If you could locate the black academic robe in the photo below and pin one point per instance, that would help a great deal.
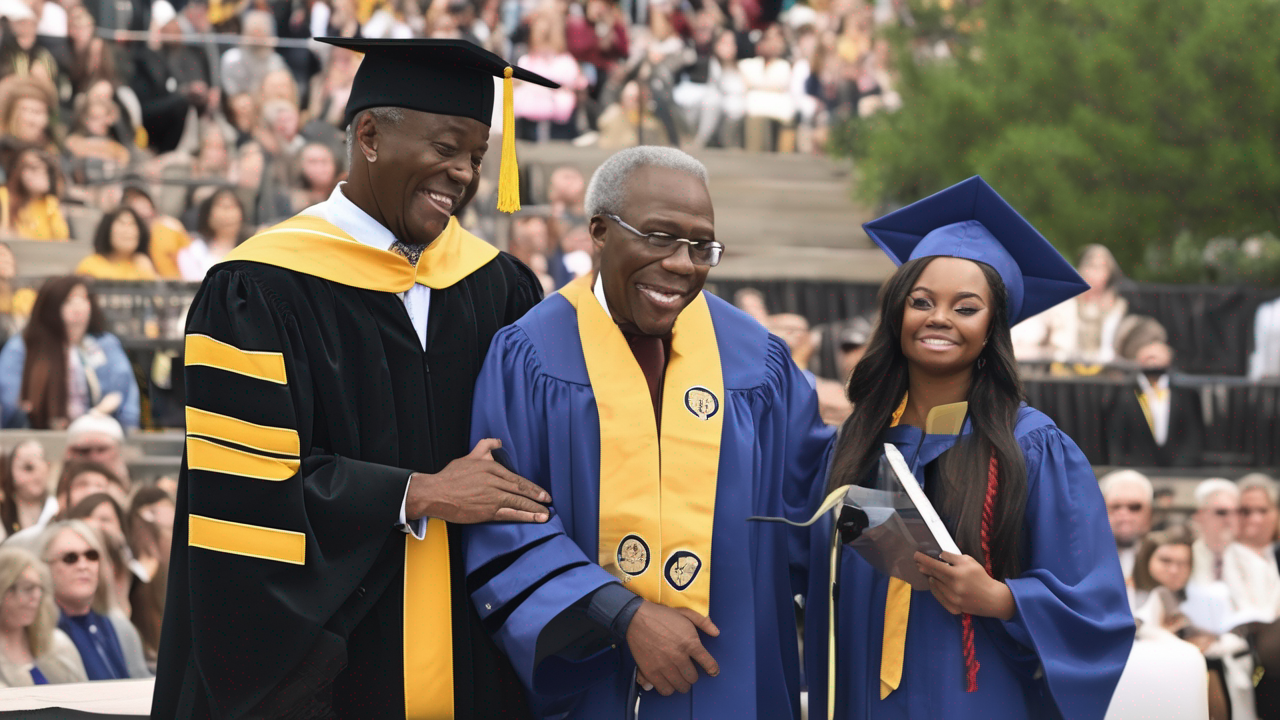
(248, 636)
(1130, 442)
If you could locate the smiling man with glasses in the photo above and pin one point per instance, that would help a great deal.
(660, 418)
(1253, 587)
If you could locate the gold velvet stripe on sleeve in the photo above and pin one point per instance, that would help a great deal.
(248, 540)
(204, 350)
(206, 455)
(281, 441)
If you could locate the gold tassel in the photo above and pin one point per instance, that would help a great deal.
(509, 173)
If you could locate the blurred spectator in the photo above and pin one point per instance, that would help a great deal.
(529, 238)
(15, 302)
(151, 518)
(278, 131)
(574, 257)
(82, 478)
(102, 512)
(329, 102)
(598, 38)
(127, 128)
(625, 123)
(33, 650)
(120, 248)
(244, 67)
(751, 302)
(168, 236)
(1153, 424)
(1264, 361)
(316, 177)
(65, 364)
(1163, 560)
(91, 58)
(20, 55)
(261, 186)
(808, 108)
(1251, 584)
(716, 103)
(657, 56)
(771, 109)
(566, 192)
(545, 113)
(29, 206)
(100, 439)
(164, 94)
(108, 644)
(29, 110)
(91, 144)
(794, 330)
(1259, 497)
(279, 85)
(1083, 328)
(242, 114)
(1129, 497)
(191, 63)
(852, 345)
(220, 227)
(24, 480)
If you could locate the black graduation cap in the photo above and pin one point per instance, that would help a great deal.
(445, 77)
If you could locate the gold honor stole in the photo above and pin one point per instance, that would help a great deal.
(316, 247)
(657, 493)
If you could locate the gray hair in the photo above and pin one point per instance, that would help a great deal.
(104, 598)
(1208, 488)
(1132, 478)
(608, 188)
(389, 116)
(1260, 481)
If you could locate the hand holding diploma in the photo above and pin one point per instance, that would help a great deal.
(962, 585)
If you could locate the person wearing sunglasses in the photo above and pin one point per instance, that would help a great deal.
(109, 646)
(1128, 494)
(1219, 557)
(660, 418)
(33, 651)
(1258, 516)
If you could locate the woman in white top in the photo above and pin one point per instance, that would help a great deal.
(1084, 328)
(33, 651)
(24, 481)
(220, 227)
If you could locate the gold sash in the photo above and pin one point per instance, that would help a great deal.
(314, 246)
(657, 494)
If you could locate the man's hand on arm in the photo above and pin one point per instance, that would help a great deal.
(476, 489)
(665, 644)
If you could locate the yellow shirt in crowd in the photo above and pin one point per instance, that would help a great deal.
(39, 219)
(103, 268)
(168, 238)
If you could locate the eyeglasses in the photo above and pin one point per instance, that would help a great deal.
(82, 450)
(25, 591)
(1245, 512)
(72, 558)
(1223, 512)
(1131, 507)
(701, 252)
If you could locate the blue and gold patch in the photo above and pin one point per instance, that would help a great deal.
(681, 569)
(633, 555)
(701, 402)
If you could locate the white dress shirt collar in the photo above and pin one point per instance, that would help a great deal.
(352, 220)
(599, 291)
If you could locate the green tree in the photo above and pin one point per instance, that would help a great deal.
(1125, 122)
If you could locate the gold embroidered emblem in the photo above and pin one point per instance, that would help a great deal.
(682, 568)
(633, 555)
(701, 402)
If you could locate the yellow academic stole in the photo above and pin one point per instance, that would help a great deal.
(316, 247)
(657, 494)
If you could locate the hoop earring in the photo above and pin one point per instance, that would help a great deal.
(982, 362)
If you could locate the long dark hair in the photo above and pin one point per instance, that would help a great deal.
(205, 213)
(44, 372)
(876, 389)
(9, 503)
(102, 236)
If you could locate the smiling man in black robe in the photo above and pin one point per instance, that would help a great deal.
(330, 363)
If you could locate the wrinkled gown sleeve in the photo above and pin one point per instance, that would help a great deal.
(1072, 611)
(522, 577)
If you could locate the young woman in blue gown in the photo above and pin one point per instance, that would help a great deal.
(1031, 620)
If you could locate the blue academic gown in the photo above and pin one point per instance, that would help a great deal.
(534, 394)
(1060, 655)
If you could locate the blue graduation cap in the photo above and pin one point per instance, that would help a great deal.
(970, 220)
